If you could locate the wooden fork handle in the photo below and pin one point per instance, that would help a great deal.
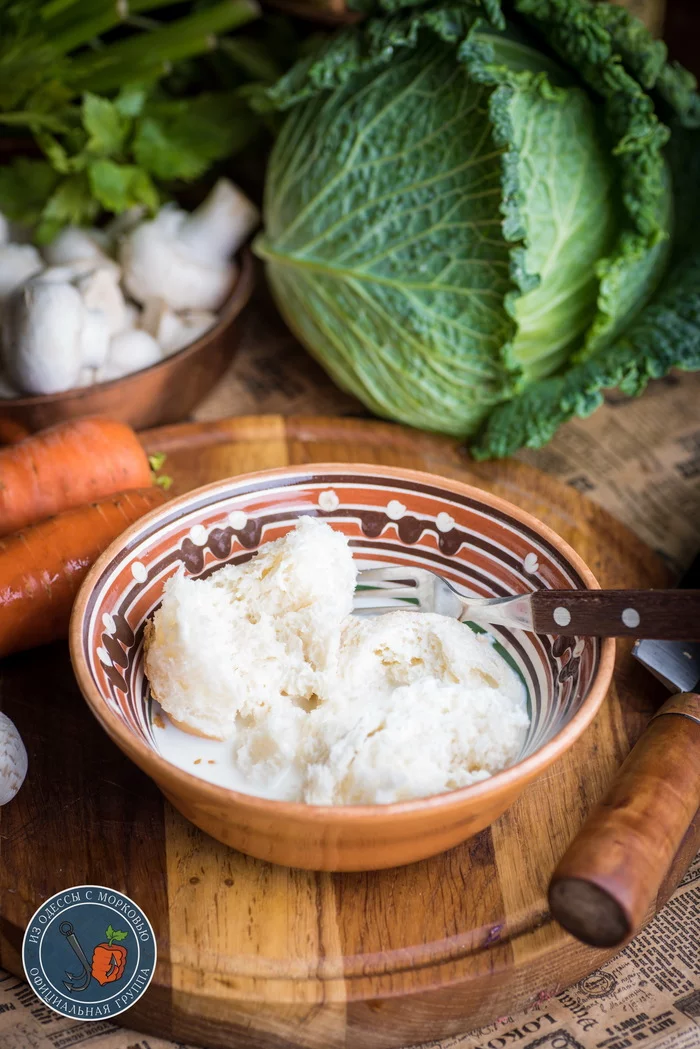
(669, 615)
(611, 875)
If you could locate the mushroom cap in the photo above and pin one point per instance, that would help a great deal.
(100, 290)
(18, 262)
(157, 264)
(76, 244)
(129, 351)
(13, 760)
(42, 337)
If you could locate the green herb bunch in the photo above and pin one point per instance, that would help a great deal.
(121, 104)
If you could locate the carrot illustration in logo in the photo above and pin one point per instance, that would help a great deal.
(109, 959)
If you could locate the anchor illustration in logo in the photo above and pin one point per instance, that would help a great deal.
(108, 959)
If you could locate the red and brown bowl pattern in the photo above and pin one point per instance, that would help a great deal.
(479, 542)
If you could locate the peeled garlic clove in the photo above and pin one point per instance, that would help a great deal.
(13, 760)
(129, 351)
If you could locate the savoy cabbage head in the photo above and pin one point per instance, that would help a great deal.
(468, 217)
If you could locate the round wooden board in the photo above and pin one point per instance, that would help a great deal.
(260, 956)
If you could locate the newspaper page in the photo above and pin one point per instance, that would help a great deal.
(640, 459)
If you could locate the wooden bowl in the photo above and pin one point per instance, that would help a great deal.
(480, 542)
(165, 393)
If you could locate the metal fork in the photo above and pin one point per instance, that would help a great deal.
(663, 614)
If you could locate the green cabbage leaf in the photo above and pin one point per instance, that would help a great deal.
(468, 219)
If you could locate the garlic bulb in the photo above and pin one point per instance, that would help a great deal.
(13, 760)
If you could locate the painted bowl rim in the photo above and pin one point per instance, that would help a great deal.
(160, 768)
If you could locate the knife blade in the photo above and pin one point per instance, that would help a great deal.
(619, 865)
(675, 663)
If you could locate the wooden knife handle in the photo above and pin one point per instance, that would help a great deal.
(668, 615)
(606, 884)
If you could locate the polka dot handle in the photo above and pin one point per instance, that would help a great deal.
(669, 615)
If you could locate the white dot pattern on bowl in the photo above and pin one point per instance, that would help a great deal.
(630, 617)
(108, 623)
(530, 563)
(395, 510)
(139, 572)
(104, 657)
(444, 522)
(561, 616)
(328, 500)
(238, 520)
(198, 535)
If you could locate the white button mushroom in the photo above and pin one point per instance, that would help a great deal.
(157, 265)
(192, 325)
(132, 316)
(173, 331)
(13, 760)
(18, 262)
(100, 291)
(221, 224)
(75, 244)
(94, 340)
(129, 351)
(184, 259)
(67, 274)
(43, 331)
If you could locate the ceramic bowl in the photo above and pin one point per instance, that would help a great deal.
(483, 544)
(165, 393)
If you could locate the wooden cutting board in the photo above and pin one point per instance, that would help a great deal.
(260, 956)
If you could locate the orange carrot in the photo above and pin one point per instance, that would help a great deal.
(66, 466)
(42, 567)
